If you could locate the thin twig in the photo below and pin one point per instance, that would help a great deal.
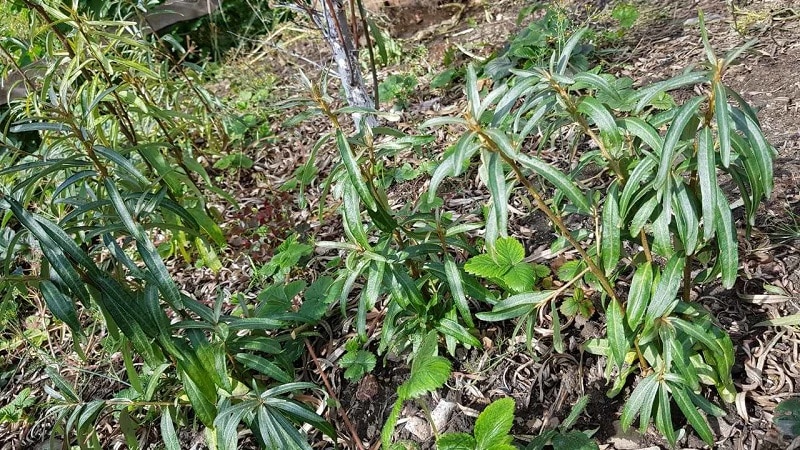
(342, 413)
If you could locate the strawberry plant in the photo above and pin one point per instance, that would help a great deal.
(491, 430)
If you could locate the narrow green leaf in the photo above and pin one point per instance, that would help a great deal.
(148, 252)
(561, 182)
(645, 393)
(123, 163)
(566, 52)
(351, 209)
(693, 416)
(558, 341)
(667, 288)
(574, 440)
(664, 415)
(457, 290)
(712, 58)
(639, 294)
(723, 120)
(514, 306)
(686, 218)
(512, 96)
(203, 406)
(354, 171)
(128, 427)
(452, 328)
(633, 189)
(604, 121)
(497, 188)
(648, 93)
(645, 132)
(727, 241)
(598, 83)
(473, 96)
(60, 305)
(785, 321)
(617, 338)
(676, 130)
(611, 242)
(264, 366)
(642, 215)
(168, 434)
(72, 179)
(707, 176)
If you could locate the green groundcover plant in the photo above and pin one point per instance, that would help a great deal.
(660, 221)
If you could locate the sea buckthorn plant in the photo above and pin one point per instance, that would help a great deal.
(113, 166)
(661, 222)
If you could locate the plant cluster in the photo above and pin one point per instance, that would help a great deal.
(115, 165)
(660, 222)
(114, 168)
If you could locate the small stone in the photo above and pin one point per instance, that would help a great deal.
(419, 428)
(441, 414)
(630, 440)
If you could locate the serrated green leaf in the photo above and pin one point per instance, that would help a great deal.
(520, 278)
(508, 251)
(428, 371)
(494, 424)
(455, 441)
(787, 417)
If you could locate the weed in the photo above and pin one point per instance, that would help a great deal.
(398, 89)
(564, 438)
(491, 430)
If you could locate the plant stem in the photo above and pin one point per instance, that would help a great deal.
(553, 217)
(350, 428)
